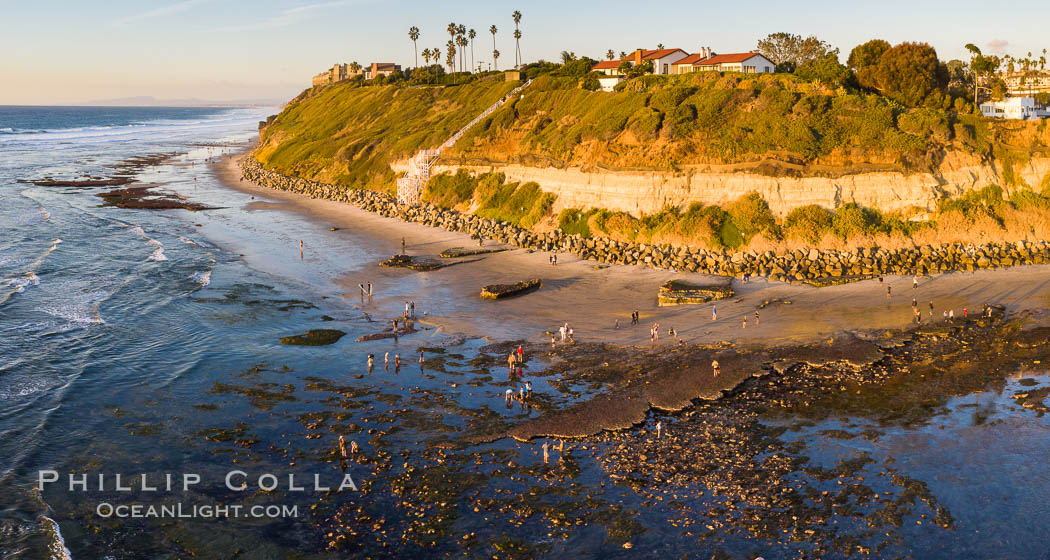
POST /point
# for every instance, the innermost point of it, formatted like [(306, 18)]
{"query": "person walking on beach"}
[(714, 367), (915, 282), (889, 292), (561, 331), (371, 362), (745, 322), (413, 307), (397, 361), (553, 342), (386, 360), (951, 315), (756, 317), (420, 358), (546, 446), (659, 429), (944, 316), (342, 447), (572, 340), (528, 388), (931, 311), (521, 353), (510, 362), (714, 313), (402, 245), (965, 315), (369, 289)]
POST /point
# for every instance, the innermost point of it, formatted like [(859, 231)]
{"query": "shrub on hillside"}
[(750, 214), (808, 223), (851, 221)]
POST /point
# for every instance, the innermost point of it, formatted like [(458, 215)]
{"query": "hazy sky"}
[(57, 52)]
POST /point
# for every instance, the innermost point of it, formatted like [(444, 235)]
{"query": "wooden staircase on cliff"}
[(410, 186)]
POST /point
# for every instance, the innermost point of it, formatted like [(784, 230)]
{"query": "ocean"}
[(146, 345)]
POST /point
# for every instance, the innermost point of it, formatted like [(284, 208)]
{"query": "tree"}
[(659, 46), (826, 69), (609, 54), (864, 60), (495, 53), (426, 56), (910, 72), (451, 60), (355, 67), (624, 67), (981, 66), (789, 51), (566, 57), (517, 39), (413, 33), (461, 40), (471, 35), (623, 55)]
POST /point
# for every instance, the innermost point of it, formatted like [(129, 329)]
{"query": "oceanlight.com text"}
[(179, 511)]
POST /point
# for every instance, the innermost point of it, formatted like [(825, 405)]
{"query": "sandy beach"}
[(592, 299)]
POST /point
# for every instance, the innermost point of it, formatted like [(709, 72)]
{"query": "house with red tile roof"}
[(662, 60), (748, 63)]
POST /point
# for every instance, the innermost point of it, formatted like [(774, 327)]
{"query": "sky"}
[(69, 52)]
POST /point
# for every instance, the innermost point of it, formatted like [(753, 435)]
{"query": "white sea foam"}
[(45, 214), (137, 230), (203, 278), (20, 284), (58, 548), (187, 240), (158, 255)]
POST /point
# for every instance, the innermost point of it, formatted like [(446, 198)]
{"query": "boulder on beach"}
[(500, 291), (316, 337), (678, 292)]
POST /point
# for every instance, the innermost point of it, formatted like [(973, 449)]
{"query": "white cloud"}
[(997, 46), (177, 7)]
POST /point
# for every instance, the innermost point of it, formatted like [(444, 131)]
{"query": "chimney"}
[(638, 56)]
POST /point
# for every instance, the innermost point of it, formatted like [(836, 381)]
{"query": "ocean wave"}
[(20, 284), (82, 312), (187, 240), (158, 255), (203, 278), (136, 230), (45, 214)]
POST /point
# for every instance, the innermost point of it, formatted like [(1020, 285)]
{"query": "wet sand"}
[(592, 299)]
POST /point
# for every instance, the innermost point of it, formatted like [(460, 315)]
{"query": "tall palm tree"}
[(517, 48), (451, 31), (470, 35), (461, 40), (426, 56), (413, 33), (495, 53), (450, 56), (517, 37), (609, 54)]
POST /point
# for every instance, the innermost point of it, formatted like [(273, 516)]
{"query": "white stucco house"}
[(1019, 108), (749, 63), (662, 59)]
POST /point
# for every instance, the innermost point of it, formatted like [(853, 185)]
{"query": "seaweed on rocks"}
[(422, 264), (145, 198), (314, 337), (678, 292), (501, 291)]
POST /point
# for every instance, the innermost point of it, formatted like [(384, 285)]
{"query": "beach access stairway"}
[(410, 187)]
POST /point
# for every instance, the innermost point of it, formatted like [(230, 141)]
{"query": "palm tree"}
[(355, 67), (517, 37), (566, 57), (451, 30), (426, 56), (609, 54), (495, 53), (659, 46), (623, 55), (471, 34), (450, 56), (462, 42), (517, 48), (413, 33)]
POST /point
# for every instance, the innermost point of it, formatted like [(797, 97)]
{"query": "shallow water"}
[(146, 342)]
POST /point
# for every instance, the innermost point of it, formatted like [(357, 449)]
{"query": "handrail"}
[(411, 185)]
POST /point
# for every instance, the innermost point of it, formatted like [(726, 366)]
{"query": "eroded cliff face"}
[(649, 192)]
